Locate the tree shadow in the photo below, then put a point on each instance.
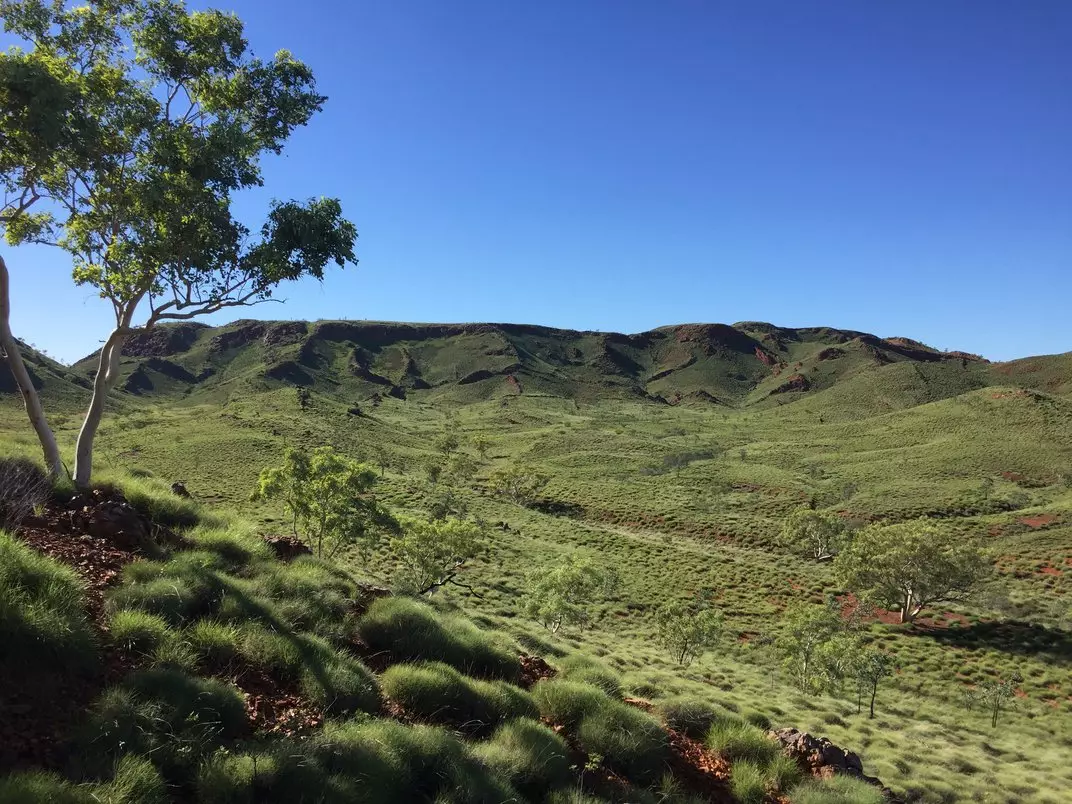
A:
(1011, 636)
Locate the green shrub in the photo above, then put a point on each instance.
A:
(736, 740)
(137, 631)
(165, 715)
(837, 790)
(691, 717)
(567, 703)
(412, 631)
(438, 692)
(532, 757)
(748, 782)
(581, 668)
(43, 624)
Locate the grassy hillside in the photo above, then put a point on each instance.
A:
(679, 497)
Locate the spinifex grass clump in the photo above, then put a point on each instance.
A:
(580, 668)
(630, 741)
(43, 623)
(135, 781)
(375, 761)
(438, 693)
(531, 756)
(691, 716)
(412, 631)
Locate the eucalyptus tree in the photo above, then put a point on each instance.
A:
(163, 115)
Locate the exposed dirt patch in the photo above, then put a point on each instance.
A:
(534, 669)
(1039, 520)
(850, 603)
(1048, 570)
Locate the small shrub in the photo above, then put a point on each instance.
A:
(439, 693)
(748, 782)
(783, 773)
(837, 790)
(137, 631)
(412, 631)
(531, 756)
(691, 717)
(736, 740)
(585, 670)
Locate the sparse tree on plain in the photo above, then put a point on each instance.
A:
(817, 534)
(806, 629)
(519, 484)
(430, 554)
(871, 667)
(687, 630)
(563, 593)
(910, 566)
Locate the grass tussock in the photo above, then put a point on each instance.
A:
(691, 716)
(438, 693)
(631, 742)
(412, 631)
(532, 757)
(738, 741)
(838, 790)
(135, 781)
(586, 670)
(375, 761)
(43, 623)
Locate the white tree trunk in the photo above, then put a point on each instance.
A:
(107, 374)
(30, 398)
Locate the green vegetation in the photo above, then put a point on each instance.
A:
(907, 438)
(687, 630)
(910, 566)
(818, 534)
(328, 497)
(532, 757)
(564, 593)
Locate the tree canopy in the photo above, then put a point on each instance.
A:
(129, 126)
(818, 534)
(910, 566)
(563, 593)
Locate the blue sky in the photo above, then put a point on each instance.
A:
(901, 168)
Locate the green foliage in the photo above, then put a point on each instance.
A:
(137, 631)
(910, 566)
(437, 693)
(996, 695)
(568, 703)
(563, 593)
(411, 631)
(870, 667)
(532, 757)
(329, 500)
(519, 484)
(818, 534)
(24, 486)
(687, 630)
(736, 740)
(808, 631)
(583, 669)
(691, 716)
(836, 790)
(136, 781)
(430, 554)
(43, 624)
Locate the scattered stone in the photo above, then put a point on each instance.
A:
(533, 669)
(821, 758)
(179, 490)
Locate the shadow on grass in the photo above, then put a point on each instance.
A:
(1009, 636)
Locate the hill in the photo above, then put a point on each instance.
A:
(681, 482)
(747, 364)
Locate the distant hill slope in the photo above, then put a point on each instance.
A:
(52, 379)
(749, 363)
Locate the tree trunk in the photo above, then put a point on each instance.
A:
(107, 374)
(874, 692)
(30, 399)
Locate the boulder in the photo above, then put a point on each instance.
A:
(821, 758)
(287, 547)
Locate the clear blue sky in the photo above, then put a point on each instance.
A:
(903, 168)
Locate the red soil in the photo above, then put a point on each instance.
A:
(1039, 520)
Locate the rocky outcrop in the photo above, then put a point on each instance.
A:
(796, 382)
(821, 758)
(286, 548)
(162, 341)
